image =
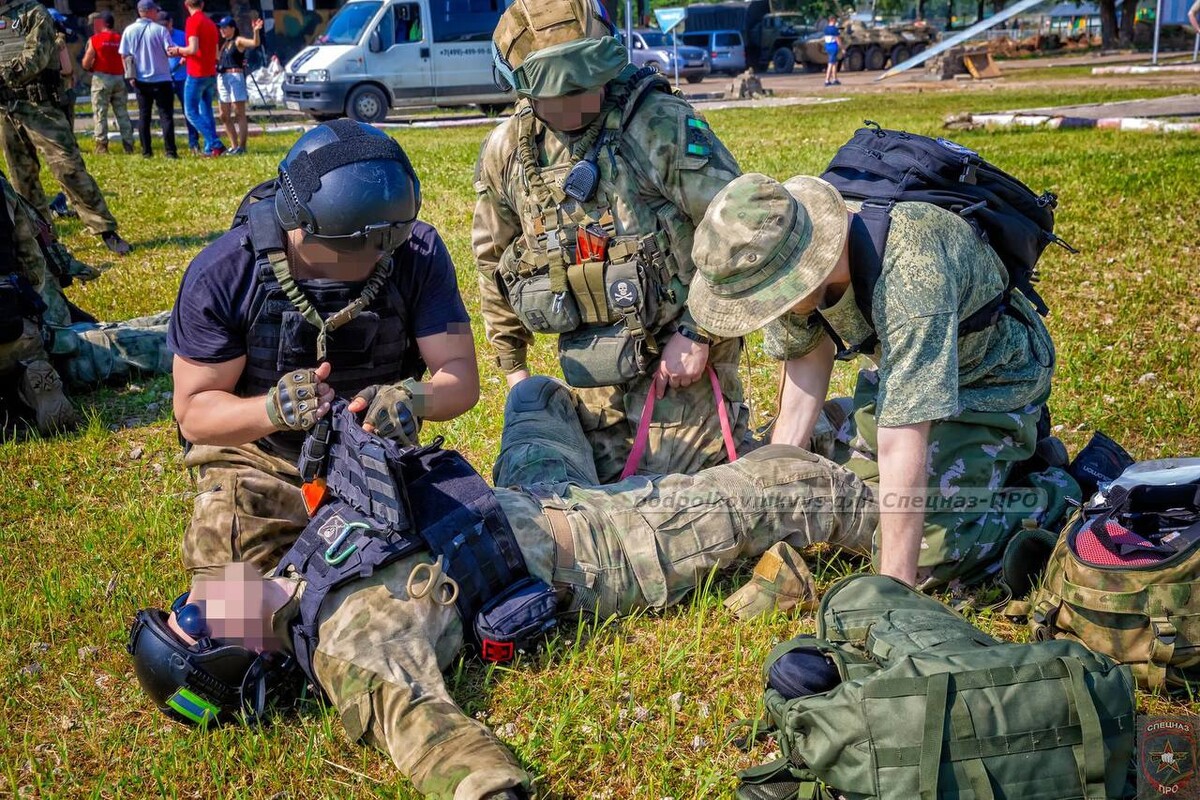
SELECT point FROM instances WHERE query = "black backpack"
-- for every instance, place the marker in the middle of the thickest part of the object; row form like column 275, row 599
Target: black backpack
column 883, row 167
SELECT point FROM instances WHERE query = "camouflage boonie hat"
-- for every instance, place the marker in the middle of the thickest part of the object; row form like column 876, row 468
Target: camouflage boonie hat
column 549, row 48
column 762, row 247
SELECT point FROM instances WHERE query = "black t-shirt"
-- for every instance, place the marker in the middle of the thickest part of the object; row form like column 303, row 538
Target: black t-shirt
column 211, row 317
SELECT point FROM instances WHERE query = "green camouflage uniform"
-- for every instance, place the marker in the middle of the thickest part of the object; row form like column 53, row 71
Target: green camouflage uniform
column 983, row 391
column 643, row 543
column 30, row 265
column 85, row 354
column 659, row 169
column 31, row 111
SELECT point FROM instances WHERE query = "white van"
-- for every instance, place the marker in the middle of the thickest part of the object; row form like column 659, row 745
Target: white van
column 381, row 54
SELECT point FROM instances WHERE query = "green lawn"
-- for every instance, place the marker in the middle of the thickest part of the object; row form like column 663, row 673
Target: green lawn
column 91, row 523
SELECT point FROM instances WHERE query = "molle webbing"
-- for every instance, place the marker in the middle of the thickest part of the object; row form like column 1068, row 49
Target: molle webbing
column 386, row 502
column 267, row 242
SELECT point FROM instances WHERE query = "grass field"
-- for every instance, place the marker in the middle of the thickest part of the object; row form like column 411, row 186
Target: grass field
column 90, row 523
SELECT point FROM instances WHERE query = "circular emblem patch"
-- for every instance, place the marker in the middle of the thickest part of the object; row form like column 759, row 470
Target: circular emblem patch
column 623, row 294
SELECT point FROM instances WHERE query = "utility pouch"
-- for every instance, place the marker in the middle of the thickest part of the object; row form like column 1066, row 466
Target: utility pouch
column 516, row 620
column 600, row 356
column 540, row 309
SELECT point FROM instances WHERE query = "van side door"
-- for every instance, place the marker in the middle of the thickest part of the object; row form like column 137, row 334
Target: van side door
column 398, row 54
column 462, row 49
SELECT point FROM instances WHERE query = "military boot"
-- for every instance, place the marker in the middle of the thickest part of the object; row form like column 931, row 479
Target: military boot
column 41, row 389
column 780, row 582
column 102, row 147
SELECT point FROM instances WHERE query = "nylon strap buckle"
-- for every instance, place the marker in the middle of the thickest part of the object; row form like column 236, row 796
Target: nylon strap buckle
column 497, row 652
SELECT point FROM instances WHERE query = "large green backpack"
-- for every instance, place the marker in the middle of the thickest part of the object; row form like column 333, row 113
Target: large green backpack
column 930, row 707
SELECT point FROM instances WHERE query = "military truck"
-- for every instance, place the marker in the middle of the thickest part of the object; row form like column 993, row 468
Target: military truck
column 866, row 45
column 769, row 38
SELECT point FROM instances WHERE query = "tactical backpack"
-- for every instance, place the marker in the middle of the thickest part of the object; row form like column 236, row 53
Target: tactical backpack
column 1123, row 576
column 883, row 167
column 928, row 706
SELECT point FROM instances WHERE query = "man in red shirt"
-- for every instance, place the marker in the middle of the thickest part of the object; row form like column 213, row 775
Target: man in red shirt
column 102, row 59
column 201, row 85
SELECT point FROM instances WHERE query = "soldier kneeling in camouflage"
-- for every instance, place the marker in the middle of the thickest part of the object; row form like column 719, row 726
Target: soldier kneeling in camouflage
column 377, row 645
column 588, row 198
column 43, row 338
column 941, row 422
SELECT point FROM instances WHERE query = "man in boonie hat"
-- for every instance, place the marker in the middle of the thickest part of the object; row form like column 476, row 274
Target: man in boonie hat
column 943, row 416
column 588, row 199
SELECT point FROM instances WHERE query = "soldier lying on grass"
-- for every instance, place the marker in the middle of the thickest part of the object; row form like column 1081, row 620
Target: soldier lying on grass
column 376, row 645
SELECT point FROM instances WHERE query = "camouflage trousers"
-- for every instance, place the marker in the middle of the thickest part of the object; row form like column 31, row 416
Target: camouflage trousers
column 22, row 350
column 970, row 511
column 111, row 353
column 110, row 90
column 685, row 434
column 248, row 508
column 641, row 543
column 27, row 129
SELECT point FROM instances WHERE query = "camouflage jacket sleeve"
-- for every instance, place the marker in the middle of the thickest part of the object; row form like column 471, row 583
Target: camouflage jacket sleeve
column 791, row 336
column 683, row 161
column 40, row 51
column 496, row 225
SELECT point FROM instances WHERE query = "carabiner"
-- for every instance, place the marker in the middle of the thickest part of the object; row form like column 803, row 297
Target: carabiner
column 332, row 556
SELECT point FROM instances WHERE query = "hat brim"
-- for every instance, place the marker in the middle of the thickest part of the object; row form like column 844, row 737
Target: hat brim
column 729, row 317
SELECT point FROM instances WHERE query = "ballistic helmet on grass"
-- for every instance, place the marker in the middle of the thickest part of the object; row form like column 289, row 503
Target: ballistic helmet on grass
column 207, row 682
column 549, row 48
column 350, row 187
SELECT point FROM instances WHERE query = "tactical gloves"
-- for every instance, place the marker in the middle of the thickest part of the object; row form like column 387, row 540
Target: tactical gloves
column 390, row 412
column 292, row 402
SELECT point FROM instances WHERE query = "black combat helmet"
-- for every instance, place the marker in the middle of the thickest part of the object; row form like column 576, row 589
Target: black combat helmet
column 350, row 187
column 210, row 681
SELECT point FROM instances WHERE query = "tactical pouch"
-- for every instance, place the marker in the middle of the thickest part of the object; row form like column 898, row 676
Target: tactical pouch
column 540, row 309
column 600, row 356
column 349, row 347
column 515, row 620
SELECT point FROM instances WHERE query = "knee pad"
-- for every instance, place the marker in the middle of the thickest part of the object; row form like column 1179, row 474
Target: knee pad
column 538, row 393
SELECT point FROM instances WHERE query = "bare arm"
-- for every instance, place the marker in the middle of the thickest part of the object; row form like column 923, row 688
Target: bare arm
column 453, row 384
column 902, row 490
column 803, row 391
column 208, row 411
column 193, row 47
column 89, row 57
column 250, row 42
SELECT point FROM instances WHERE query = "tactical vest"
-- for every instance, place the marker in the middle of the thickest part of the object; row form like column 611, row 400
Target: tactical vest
column 47, row 86
column 385, row 503
column 602, row 273
column 929, row 706
column 375, row 347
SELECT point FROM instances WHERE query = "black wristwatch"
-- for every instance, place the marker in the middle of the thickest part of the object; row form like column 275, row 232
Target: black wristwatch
column 688, row 332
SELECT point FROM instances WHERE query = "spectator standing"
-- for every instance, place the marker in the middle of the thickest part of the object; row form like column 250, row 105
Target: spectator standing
column 179, row 77
column 833, row 46
column 144, row 47
column 201, row 85
column 102, row 58
column 231, row 80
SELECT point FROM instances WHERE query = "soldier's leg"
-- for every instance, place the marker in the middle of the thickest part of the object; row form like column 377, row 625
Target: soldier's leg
column 101, row 97
column 248, row 507
column 542, row 440
column 380, row 661
column 112, row 352
column 56, row 141
column 24, row 168
column 38, row 385
column 649, row 541
column 119, row 97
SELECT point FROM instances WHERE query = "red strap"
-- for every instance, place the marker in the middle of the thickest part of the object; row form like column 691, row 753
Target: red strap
column 643, row 431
